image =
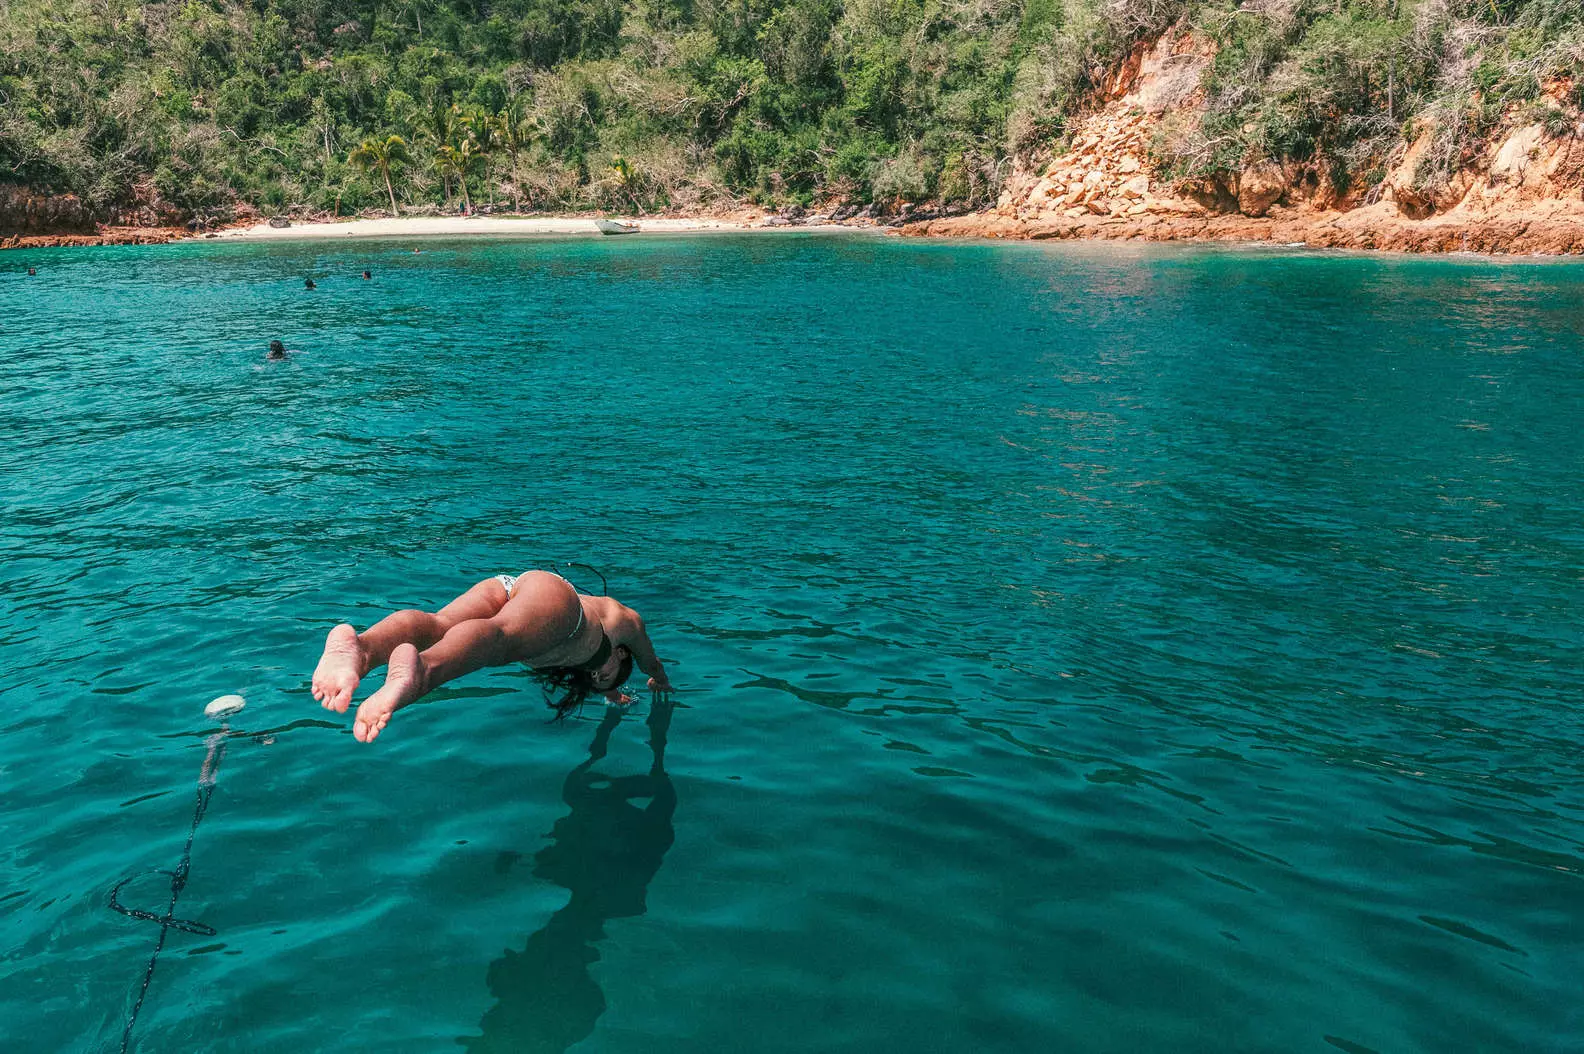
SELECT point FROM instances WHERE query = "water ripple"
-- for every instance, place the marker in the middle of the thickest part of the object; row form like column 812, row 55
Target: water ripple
column 1094, row 648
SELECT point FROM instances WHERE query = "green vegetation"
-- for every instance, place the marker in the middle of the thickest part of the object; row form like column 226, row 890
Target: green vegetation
column 381, row 154
column 647, row 104
column 1348, row 84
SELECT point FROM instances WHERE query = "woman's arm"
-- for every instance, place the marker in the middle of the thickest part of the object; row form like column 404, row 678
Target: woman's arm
column 635, row 636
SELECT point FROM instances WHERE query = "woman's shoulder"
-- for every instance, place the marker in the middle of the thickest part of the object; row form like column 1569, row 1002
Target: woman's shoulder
column 613, row 613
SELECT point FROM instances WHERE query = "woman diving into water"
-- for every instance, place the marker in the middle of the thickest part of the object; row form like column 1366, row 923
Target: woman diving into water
column 576, row 645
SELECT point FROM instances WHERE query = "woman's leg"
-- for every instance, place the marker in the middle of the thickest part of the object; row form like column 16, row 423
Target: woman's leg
column 542, row 613
column 349, row 655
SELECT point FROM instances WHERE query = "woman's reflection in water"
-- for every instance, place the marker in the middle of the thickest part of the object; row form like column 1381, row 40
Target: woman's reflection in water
column 605, row 851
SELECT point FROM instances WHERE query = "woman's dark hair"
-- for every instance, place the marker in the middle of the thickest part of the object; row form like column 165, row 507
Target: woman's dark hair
column 574, row 684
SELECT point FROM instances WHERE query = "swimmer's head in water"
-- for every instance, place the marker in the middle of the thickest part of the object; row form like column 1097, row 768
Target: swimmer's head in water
column 567, row 687
column 308, row 283
column 615, row 672
column 277, row 350
column 367, row 276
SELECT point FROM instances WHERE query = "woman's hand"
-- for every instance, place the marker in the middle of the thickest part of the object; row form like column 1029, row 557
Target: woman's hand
column 659, row 683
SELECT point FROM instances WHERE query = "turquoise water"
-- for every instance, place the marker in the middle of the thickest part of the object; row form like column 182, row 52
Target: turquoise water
column 1086, row 648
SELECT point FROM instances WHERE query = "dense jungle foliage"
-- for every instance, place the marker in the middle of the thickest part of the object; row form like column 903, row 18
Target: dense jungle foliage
column 644, row 104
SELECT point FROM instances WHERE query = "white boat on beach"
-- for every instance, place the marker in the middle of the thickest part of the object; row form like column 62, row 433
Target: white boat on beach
column 616, row 226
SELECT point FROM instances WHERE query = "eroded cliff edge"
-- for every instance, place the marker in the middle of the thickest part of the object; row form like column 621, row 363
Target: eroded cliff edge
column 29, row 219
column 1522, row 193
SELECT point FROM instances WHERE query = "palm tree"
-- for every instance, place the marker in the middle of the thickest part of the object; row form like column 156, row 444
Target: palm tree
column 459, row 161
column 512, row 133
column 381, row 154
column 481, row 134
column 477, row 126
column 437, row 125
column 438, row 120
column 627, row 180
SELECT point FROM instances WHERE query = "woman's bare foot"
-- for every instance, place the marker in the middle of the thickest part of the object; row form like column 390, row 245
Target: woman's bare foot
column 340, row 668
column 404, row 682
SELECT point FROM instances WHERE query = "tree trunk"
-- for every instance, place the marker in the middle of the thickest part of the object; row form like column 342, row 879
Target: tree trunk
column 385, row 169
column 467, row 202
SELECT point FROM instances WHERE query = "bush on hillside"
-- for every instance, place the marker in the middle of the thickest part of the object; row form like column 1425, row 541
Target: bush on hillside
column 780, row 101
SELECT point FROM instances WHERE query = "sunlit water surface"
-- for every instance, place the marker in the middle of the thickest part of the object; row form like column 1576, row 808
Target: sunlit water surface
column 1078, row 648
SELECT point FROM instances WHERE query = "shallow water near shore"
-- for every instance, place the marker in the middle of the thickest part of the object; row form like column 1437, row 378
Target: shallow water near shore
column 1080, row 647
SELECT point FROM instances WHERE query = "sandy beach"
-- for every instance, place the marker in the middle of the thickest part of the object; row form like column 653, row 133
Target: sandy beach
column 454, row 226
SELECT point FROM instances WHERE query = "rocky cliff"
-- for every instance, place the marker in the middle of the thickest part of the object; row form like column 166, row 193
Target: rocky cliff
column 1524, row 193
column 30, row 219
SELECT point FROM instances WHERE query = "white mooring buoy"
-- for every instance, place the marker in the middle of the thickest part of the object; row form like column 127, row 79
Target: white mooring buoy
column 225, row 706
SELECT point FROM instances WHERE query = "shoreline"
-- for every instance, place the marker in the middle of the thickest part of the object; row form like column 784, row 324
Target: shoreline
column 422, row 227
column 1549, row 229
column 502, row 226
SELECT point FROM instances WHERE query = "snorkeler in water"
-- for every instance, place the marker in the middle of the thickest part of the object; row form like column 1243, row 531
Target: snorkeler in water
column 576, row 644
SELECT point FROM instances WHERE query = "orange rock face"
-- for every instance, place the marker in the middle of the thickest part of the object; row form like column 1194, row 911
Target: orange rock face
column 1524, row 195
column 1558, row 230
column 104, row 236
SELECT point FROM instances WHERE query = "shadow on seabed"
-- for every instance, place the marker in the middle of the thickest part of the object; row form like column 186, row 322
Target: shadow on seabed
column 604, row 852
